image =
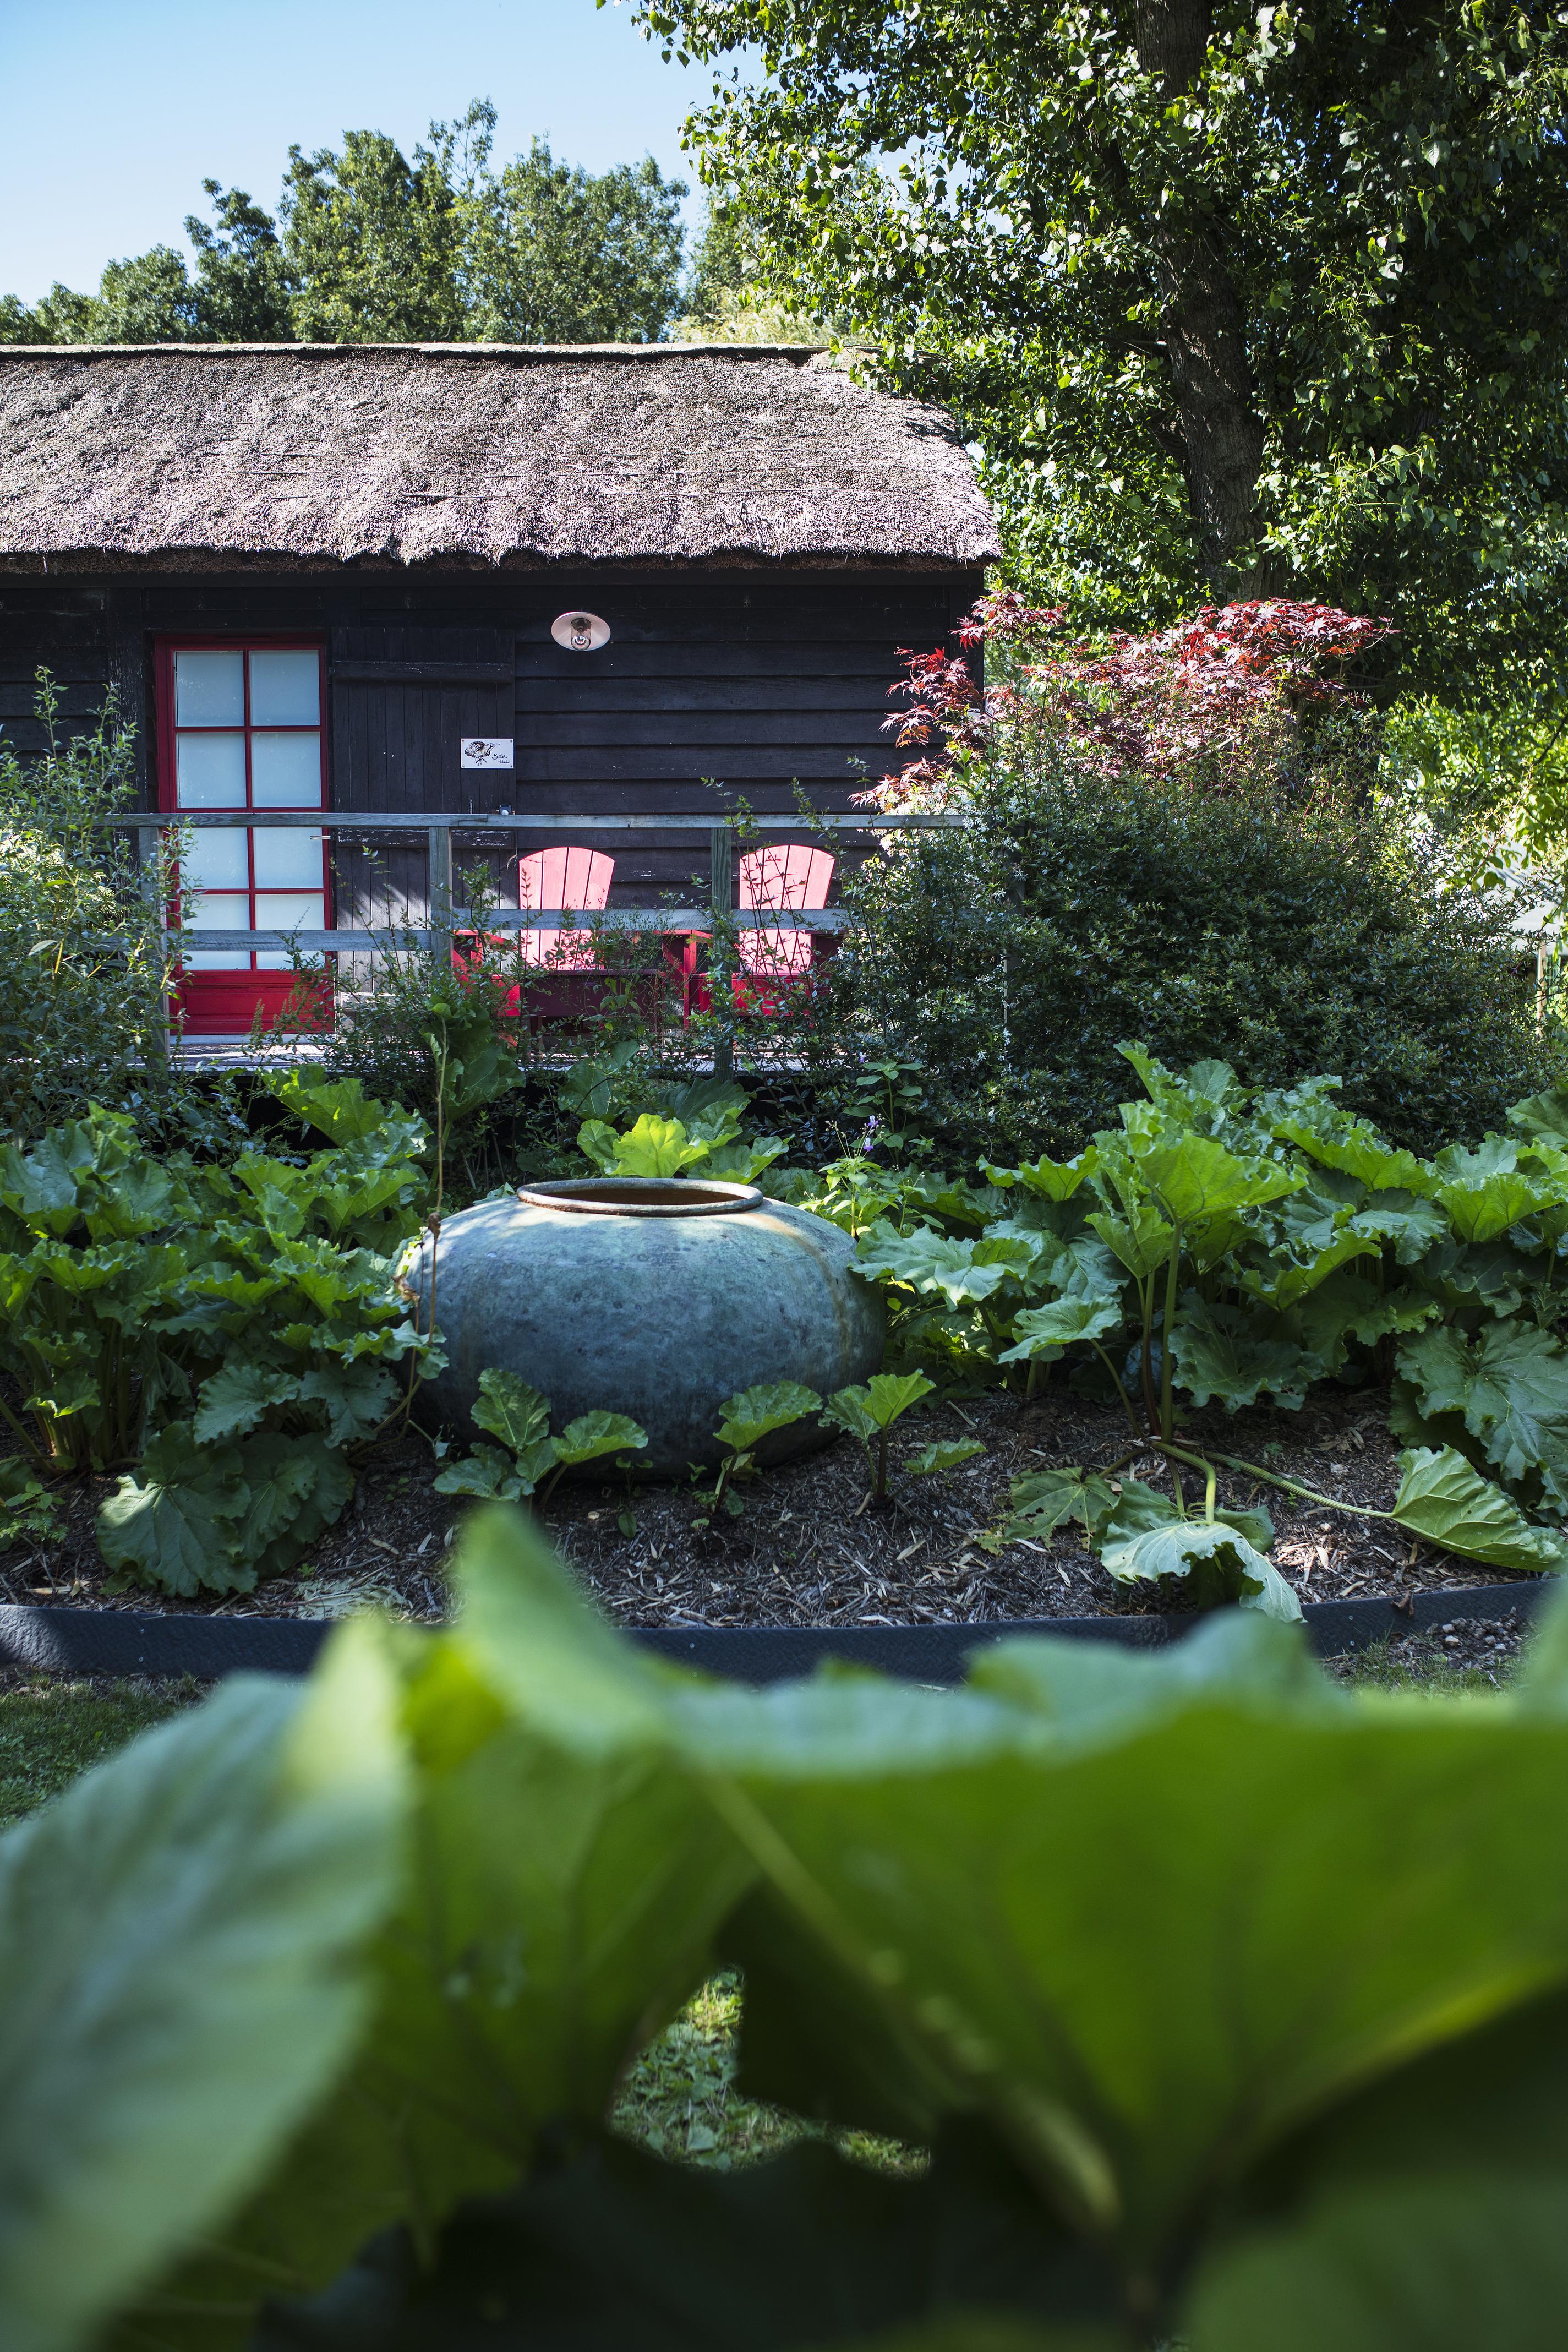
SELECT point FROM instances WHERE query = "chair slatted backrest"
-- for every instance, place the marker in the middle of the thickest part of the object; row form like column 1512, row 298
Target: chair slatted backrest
column 561, row 881
column 792, row 877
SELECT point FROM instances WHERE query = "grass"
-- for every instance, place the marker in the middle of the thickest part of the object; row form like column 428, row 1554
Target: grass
column 50, row 1731
column 680, row 2098
column 1406, row 1665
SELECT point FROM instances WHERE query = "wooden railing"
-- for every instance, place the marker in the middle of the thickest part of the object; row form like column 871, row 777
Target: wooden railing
column 448, row 917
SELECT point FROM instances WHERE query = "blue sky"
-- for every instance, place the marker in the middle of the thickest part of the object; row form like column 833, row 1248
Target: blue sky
column 115, row 110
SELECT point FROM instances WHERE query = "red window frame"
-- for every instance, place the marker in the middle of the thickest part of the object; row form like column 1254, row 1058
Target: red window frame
column 226, row 1000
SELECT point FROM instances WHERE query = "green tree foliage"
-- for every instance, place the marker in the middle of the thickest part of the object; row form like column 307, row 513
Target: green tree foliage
column 242, row 288
column 727, row 300
column 1232, row 297
column 372, row 245
column 1184, row 837
column 373, row 241
column 558, row 255
column 85, row 964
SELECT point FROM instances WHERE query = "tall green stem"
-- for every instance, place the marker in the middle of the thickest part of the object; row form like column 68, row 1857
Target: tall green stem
column 1167, row 1357
column 1272, row 1478
column 1121, row 1391
column 1146, row 1295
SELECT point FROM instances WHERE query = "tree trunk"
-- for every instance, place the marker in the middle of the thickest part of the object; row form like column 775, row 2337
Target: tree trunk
column 1202, row 328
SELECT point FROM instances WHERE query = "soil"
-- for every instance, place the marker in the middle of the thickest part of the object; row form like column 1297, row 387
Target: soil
column 812, row 1548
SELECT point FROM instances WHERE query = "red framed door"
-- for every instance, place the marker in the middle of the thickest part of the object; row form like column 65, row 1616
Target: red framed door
column 240, row 727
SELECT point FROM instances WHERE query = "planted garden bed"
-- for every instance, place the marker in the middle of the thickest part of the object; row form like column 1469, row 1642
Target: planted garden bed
column 1241, row 1349
column 809, row 1548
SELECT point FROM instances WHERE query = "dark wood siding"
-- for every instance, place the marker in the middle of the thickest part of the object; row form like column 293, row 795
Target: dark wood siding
column 732, row 685
column 63, row 631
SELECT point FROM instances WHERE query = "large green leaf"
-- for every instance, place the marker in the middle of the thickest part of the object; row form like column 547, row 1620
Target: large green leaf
column 238, row 1397
column 1487, row 1190
column 618, row 2250
column 932, row 1263
column 1221, row 1354
column 1511, row 1386
column 1478, row 2259
column 1150, row 1927
column 172, row 1523
column 1197, row 1181
column 1045, row 1332
column 557, row 1909
column 1492, row 1274
column 594, row 1434
column 1200, row 1096
column 1411, row 1224
column 1349, row 1307
column 1285, row 1280
column 1202, row 1567
column 180, row 1977
column 510, row 1410
column 1139, row 1236
column 1430, row 2211
column 1051, row 1179
column 1040, row 1501
column 752, row 1415
column 487, row 1473
column 337, row 1107
column 866, row 1412
column 1443, row 1499
column 1544, row 1116
column 1358, row 1150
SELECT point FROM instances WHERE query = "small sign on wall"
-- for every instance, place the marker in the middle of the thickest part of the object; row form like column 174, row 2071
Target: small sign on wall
column 487, row 750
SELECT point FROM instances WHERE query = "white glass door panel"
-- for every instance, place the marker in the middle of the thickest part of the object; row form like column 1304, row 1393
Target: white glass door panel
column 245, row 732
column 219, row 910
column 209, row 771
column 286, row 861
column 287, row 910
column 209, row 689
column 286, row 688
column 286, row 770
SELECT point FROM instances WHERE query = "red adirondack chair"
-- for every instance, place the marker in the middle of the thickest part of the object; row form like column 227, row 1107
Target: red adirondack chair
column 562, row 881
column 552, row 881
column 786, row 876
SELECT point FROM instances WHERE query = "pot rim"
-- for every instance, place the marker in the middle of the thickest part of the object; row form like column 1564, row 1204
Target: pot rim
column 639, row 1196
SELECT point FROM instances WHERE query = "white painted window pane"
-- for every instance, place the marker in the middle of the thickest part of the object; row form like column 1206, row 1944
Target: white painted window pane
column 209, row 689
column 285, row 690
column 221, row 911
column 286, row 771
column 287, row 861
column 209, row 771
column 287, row 910
column 216, row 861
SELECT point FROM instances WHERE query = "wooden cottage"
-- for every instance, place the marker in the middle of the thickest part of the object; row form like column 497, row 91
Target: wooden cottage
column 408, row 578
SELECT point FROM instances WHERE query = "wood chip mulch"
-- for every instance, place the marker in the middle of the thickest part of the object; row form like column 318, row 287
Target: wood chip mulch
column 810, row 1547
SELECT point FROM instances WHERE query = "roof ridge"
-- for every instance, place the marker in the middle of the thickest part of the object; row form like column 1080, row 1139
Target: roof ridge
column 798, row 353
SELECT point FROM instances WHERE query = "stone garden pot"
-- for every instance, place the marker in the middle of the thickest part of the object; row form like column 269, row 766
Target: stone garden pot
column 654, row 1297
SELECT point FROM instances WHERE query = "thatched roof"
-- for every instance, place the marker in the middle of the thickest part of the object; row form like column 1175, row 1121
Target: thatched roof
column 181, row 457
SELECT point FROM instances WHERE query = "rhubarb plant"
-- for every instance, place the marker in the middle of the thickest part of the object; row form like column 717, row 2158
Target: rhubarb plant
column 529, row 1460
column 1209, row 2002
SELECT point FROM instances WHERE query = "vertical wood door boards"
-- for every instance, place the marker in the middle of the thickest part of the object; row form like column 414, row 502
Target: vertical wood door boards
column 403, row 699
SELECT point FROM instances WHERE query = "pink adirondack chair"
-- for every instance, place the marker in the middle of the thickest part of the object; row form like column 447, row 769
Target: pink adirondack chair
column 790, row 878
column 559, row 881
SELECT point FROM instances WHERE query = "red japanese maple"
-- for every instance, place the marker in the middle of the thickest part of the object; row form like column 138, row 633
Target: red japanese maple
column 1207, row 703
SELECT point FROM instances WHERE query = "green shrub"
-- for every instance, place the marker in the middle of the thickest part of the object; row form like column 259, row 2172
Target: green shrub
column 1287, row 938
column 1231, row 2005
column 227, row 1332
column 82, row 1019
